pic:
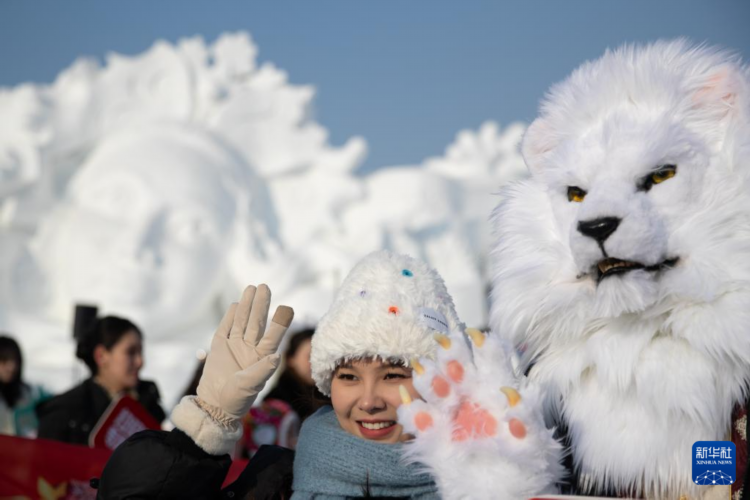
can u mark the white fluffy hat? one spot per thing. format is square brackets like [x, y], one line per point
[389, 306]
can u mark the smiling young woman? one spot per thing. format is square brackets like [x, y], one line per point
[384, 316]
[365, 395]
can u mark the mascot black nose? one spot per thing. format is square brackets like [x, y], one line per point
[599, 229]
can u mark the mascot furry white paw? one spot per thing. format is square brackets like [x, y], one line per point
[479, 428]
[621, 269]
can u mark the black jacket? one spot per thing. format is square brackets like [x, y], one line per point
[71, 416]
[169, 465]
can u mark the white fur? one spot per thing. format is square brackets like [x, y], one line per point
[210, 435]
[641, 365]
[359, 323]
[483, 467]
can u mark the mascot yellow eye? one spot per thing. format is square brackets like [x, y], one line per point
[576, 194]
[665, 172]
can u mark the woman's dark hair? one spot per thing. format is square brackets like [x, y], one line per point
[310, 397]
[9, 351]
[192, 388]
[296, 341]
[105, 331]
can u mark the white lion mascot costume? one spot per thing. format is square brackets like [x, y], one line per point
[622, 275]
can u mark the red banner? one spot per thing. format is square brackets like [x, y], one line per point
[38, 469]
[124, 417]
[47, 470]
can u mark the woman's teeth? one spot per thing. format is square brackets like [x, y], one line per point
[376, 425]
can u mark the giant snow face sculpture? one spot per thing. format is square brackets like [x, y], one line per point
[144, 227]
[621, 267]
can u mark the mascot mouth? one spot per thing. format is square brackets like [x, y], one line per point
[611, 266]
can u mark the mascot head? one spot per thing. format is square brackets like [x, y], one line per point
[638, 199]
[622, 266]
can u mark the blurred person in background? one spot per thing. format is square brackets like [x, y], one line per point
[192, 387]
[295, 385]
[272, 422]
[277, 420]
[113, 351]
[17, 398]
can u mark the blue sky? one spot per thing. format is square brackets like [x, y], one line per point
[405, 75]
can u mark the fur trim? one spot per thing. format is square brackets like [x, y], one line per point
[642, 364]
[378, 312]
[211, 435]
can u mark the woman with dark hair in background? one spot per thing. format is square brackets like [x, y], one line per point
[17, 398]
[296, 385]
[113, 351]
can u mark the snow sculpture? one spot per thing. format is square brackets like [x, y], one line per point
[156, 186]
[144, 227]
[142, 186]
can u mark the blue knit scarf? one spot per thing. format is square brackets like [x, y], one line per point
[331, 464]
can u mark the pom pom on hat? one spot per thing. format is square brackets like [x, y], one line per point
[388, 307]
